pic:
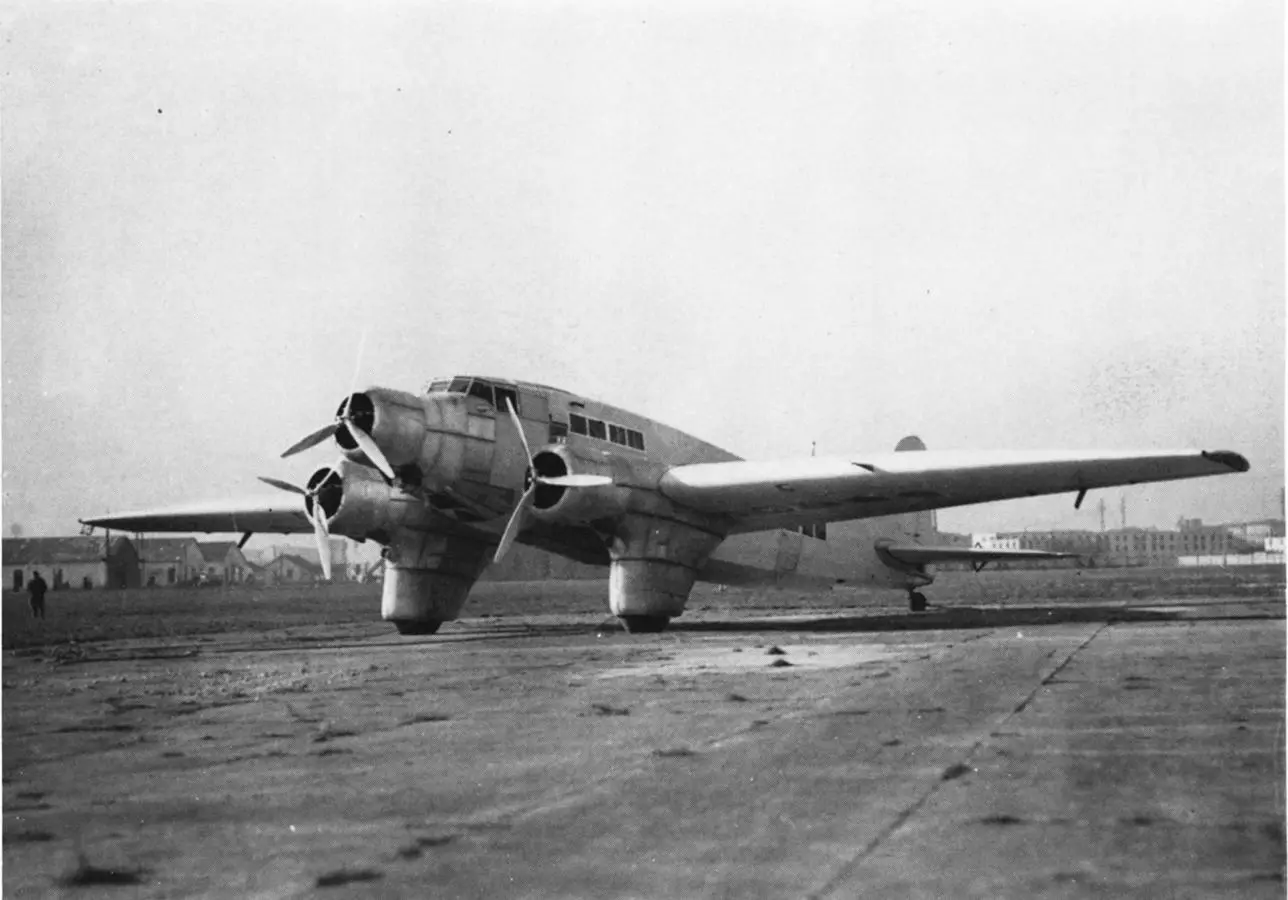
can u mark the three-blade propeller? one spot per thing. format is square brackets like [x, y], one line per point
[519, 516]
[317, 516]
[344, 419]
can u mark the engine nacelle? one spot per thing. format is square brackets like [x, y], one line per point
[359, 503]
[577, 505]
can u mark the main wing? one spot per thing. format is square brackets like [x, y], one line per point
[761, 495]
[260, 515]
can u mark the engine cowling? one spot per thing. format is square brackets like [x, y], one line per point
[359, 503]
[577, 505]
[394, 419]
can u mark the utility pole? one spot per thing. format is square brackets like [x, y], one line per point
[1122, 509]
[1101, 506]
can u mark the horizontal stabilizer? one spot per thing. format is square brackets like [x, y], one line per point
[918, 554]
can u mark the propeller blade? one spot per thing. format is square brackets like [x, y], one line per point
[323, 538]
[372, 451]
[518, 426]
[312, 440]
[576, 481]
[284, 485]
[515, 525]
[357, 367]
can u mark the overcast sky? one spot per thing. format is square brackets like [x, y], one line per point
[995, 225]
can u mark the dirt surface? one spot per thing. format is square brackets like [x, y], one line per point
[1115, 742]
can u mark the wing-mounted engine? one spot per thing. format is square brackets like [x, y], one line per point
[356, 502]
[555, 500]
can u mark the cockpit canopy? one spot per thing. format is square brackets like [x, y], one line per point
[493, 391]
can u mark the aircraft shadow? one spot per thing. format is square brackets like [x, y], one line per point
[936, 620]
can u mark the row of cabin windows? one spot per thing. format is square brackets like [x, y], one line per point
[606, 431]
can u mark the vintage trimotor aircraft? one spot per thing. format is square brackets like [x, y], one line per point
[447, 480]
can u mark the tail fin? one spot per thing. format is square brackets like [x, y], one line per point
[925, 524]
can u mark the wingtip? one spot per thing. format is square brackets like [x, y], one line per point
[1236, 462]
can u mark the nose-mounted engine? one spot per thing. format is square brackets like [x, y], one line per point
[411, 439]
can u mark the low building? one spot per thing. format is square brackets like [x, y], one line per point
[224, 562]
[289, 568]
[169, 561]
[71, 562]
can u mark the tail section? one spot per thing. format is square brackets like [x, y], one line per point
[922, 526]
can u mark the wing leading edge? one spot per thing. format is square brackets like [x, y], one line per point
[760, 495]
[267, 515]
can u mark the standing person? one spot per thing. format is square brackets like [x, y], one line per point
[37, 587]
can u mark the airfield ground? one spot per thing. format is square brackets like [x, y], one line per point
[1055, 733]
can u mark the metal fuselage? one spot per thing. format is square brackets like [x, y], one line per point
[461, 469]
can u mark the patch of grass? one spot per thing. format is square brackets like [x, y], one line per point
[779, 664]
[956, 770]
[603, 709]
[1003, 819]
[417, 718]
[86, 874]
[329, 732]
[341, 877]
[420, 845]
[30, 836]
[102, 726]
[674, 752]
[735, 698]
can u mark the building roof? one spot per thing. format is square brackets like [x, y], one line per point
[43, 551]
[157, 550]
[300, 561]
[216, 551]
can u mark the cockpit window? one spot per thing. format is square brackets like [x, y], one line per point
[459, 385]
[482, 390]
[437, 387]
[506, 396]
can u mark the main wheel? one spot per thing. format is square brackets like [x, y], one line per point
[644, 624]
[917, 601]
[417, 626]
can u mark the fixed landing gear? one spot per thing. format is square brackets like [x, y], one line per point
[644, 624]
[417, 626]
[917, 601]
